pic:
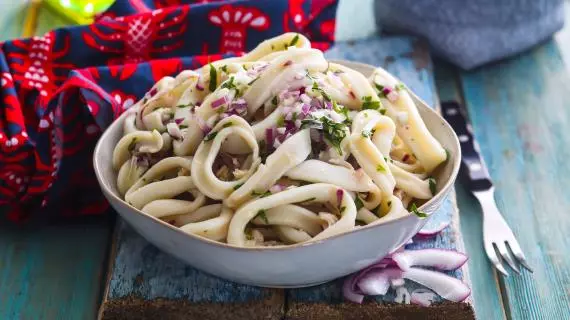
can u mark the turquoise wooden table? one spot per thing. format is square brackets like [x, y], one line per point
[520, 115]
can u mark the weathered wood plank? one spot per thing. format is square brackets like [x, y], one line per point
[485, 292]
[410, 61]
[54, 272]
[521, 116]
[145, 282]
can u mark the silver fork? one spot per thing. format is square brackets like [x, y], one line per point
[498, 239]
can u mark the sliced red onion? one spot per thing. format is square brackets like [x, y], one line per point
[199, 86]
[440, 259]
[219, 102]
[305, 109]
[386, 90]
[203, 126]
[422, 297]
[269, 135]
[276, 143]
[179, 120]
[339, 194]
[377, 282]
[349, 292]
[152, 92]
[289, 116]
[447, 287]
[393, 96]
[328, 105]
[305, 98]
[287, 110]
[429, 233]
[174, 130]
[298, 123]
[316, 104]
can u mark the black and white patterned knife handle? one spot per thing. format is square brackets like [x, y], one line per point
[472, 163]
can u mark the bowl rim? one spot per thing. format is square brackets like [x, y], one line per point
[437, 197]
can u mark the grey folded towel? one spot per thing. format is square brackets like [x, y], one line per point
[473, 32]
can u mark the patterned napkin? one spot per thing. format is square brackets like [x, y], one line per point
[59, 91]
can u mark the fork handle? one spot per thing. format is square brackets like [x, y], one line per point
[473, 166]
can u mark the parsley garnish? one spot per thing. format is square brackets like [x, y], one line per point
[333, 132]
[229, 84]
[400, 86]
[294, 41]
[358, 203]
[182, 126]
[432, 186]
[342, 209]
[341, 109]
[132, 145]
[260, 194]
[380, 168]
[261, 214]
[382, 111]
[213, 78]
[229, 124]
[211, 136]
[237, 186]
[183, 105]
[368, 103]
[281, 121]
[321, 91]
[224, 68]
[414, 210]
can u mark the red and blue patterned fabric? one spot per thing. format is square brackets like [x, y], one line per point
[59, 91]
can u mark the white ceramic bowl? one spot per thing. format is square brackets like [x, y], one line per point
[292, 266]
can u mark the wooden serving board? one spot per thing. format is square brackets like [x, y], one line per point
[144, 282]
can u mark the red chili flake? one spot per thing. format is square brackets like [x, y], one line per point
[352, 95]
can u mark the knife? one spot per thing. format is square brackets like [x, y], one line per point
[497, 235]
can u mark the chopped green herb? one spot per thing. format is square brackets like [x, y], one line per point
[414, 210]
[183, 105]
[248, 234]
[237, 186]
[321, 91]
[400, 86]
[229, 124]
[341, 109]
[260, 194]
[261, 214]
[389, 203]
[432, 185]
[252, 81]
[379, 88]
[380, 168]
[333, 132]
[132, 145]
[294, 41]
[281, 121]
[368, 103]
[224, 68]
[275, 101]
[358, 203]
[182, 126]
[213, 78]
[366, 133]
[382, 111]
[294, 117]
[229, 84]
[211, 136]
[342, 209]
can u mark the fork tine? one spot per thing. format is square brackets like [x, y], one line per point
[506, 255]
[490, 250]
[517, 252]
